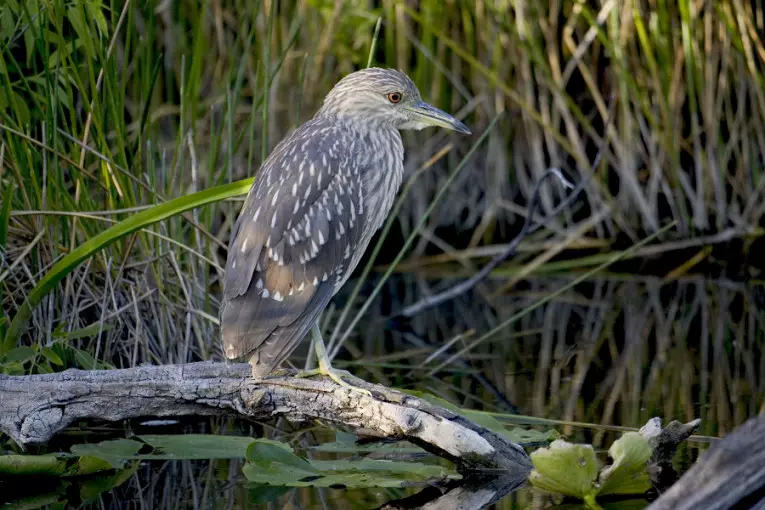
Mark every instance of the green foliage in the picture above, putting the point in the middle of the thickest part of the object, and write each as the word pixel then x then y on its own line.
pixel 627 474
pixel 574 470
pixel 274 463
pixel 143 219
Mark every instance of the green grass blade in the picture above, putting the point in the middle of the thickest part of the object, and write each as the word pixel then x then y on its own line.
pixel 5 218
pixel 105 238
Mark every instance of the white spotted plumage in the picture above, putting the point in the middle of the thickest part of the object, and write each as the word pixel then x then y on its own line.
pixel 339 173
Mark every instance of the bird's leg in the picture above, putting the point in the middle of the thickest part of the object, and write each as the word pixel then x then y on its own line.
pixel 325 367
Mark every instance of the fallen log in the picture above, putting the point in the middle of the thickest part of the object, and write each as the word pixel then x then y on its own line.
pixel 34 408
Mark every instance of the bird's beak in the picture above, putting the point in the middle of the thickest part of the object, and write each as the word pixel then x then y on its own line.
pixel 432 116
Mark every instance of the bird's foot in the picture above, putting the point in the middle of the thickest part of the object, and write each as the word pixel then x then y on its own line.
pixel 336 375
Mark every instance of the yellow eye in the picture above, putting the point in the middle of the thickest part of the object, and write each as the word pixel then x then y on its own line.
pixel 394 97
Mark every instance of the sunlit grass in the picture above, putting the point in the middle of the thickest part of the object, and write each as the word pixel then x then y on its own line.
pixel 110 108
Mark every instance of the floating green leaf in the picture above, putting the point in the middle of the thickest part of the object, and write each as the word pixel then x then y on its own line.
pixel 115 452
pixel 566 468
pixel 265 493
pixel 275 464
pixel 52 464
pixel 274 459
pixel 196 446
pixel 627 474
pixel 32 465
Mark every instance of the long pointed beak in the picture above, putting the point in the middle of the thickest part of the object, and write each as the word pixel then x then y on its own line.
pixel 433 116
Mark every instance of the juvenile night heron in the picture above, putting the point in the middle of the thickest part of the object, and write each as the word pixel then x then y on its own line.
pixel 315 204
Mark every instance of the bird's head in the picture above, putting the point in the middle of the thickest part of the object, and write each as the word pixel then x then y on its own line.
pixel 385 96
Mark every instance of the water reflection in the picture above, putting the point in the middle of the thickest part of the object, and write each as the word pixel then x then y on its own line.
pixel 612 351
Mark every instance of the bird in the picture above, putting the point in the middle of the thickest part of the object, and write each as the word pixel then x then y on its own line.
pixel 314 205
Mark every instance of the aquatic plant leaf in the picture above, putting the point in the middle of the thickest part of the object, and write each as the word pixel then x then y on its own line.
pixel 32 465
pixel 260 494
pixel 565 468
pixel 275 464
pixel 93 486
pixel 628 473
pixel 195 446
pixel 51 464
pixel 114 452
pixel 278 460
pixel 351 474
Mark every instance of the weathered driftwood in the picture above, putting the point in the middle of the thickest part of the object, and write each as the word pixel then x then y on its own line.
pixel 730 474
pixel 664 442
pixel 34 408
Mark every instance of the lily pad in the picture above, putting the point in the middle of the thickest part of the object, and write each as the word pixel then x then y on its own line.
pixel 627 474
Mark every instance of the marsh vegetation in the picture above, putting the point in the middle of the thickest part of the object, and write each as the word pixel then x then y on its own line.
pixel 109 109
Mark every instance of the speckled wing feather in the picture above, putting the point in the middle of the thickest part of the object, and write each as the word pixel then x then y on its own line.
pixel 291 244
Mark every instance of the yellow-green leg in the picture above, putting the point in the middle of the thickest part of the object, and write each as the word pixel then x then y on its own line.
pixel 325 367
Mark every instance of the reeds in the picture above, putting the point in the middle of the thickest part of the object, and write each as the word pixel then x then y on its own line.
pixel 109 108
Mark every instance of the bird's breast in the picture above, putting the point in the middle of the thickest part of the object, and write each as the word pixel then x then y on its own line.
pixel 383 174
pixel 380 178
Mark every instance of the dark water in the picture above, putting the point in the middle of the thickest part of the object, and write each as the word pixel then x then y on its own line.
pixel 612 351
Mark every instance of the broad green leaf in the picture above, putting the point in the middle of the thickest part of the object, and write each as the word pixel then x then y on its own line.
pixel 117 231
pixel 52 464
pixel 277 459
pixel 352 474
pixel 114 452
pixel 627 474
pixel 93 486
pixel 566 468
pixel 196 446
pixel 260 494
pixel 32 465
pixel 21 354
pixel 51 356
pixel 273 463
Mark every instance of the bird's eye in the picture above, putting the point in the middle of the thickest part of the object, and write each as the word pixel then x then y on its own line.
pixel 394 97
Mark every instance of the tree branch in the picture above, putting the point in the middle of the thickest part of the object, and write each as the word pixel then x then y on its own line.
pixel 36 407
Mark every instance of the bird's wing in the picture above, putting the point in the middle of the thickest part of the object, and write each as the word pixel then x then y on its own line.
pixel 290 246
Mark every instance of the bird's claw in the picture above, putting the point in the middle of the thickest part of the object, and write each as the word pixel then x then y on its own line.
pixel 336 375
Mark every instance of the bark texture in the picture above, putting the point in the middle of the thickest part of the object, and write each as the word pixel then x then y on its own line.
pixel 34 408
pixel 731 474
